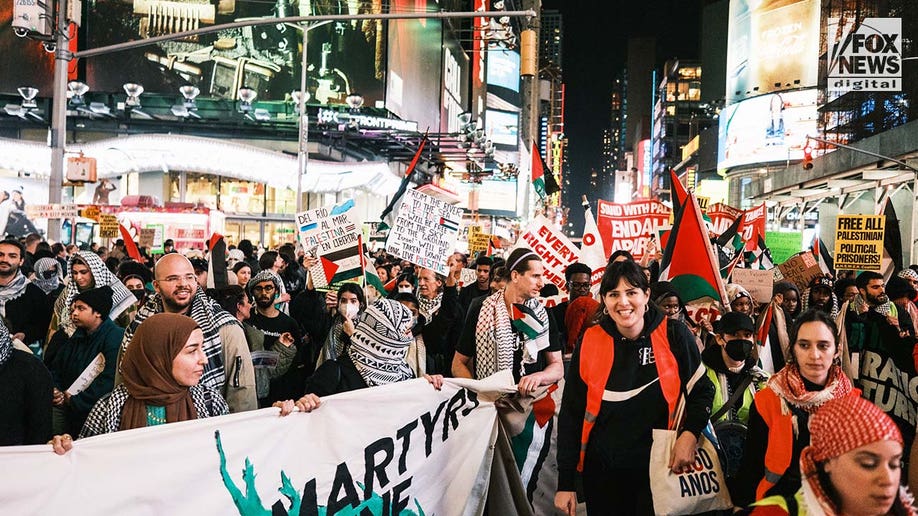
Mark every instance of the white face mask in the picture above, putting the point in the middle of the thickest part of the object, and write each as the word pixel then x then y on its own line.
pixel 405 290
pixel 348 310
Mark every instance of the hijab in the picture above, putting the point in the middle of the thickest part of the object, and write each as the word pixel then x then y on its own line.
pixel 147 370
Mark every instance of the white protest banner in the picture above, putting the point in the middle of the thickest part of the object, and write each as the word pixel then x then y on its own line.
pixel 333 234
pixel 89 374
pixel 425 231
pixel 555 249
pixel 403 449
pixel 629 226
pixel 760 284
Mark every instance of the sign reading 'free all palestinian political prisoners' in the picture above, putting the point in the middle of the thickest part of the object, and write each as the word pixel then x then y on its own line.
pixel 859 242
pixel 425 231
pixel 426 452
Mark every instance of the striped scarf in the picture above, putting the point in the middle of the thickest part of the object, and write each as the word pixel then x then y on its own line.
pixel 495 340
pixel 122 298
pixel 6 344
pixel 379 346
pixel 210 318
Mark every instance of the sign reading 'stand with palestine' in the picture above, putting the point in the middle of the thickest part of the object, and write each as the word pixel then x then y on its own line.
pixel 859 242
pixel 631 227
pixel 425 231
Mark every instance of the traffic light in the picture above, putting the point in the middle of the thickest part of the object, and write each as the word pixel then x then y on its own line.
pixel 807 157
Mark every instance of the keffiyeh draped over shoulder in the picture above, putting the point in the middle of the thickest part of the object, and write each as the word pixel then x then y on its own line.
pixel 379 346
pixel 6 344
pixel 122 299
pixel 496 341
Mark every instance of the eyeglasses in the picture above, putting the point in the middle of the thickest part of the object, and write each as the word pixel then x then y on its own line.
pixel 188 278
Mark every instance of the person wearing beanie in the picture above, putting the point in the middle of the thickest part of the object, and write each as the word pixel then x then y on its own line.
pixel 780 412
pixel 95 334
pixel 730 364
pixel 852 465
pixel 820 294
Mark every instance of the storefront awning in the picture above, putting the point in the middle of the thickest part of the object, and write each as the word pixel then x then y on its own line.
pixel 162 153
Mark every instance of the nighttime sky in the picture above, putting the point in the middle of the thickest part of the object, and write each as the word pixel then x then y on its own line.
pixel 595 36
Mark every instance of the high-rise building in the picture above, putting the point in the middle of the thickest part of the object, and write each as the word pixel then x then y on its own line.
pixel 552 37
pixel 552 140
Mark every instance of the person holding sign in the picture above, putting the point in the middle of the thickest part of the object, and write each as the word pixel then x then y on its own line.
pixel 779 414
pixel 624 380
pixel 94 343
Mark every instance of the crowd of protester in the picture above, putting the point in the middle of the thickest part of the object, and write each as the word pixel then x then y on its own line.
pixel 778 381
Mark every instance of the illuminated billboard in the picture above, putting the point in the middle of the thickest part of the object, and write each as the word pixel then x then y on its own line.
pixel 343 57
pixel 498 198
pixel 502 127
pixel 415 54
pixel 766 128
pixel 773 45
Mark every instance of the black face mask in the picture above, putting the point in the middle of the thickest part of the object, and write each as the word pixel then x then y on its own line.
pixel 739 349
pixel 139 293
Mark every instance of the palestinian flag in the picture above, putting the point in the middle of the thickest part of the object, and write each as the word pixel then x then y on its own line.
pixel 451 225
pixel 823 258
pixel 216 264
pixel 388 215
pixel 760 256
pixel 371 278
pixel 688 261
pixel 525 320
pixel 543 180
pixel 679 193
pixel 493 243
pixel 341 265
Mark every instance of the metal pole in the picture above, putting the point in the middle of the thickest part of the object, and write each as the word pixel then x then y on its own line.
pixel 62 57
pixel 303 156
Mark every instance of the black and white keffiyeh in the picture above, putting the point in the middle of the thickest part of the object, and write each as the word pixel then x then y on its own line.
pixel 495 340
pixel 379 346
pixel 210 318
pixel 12 290
pixel 122 298
pixel 6 344
pixel 428 307
pixel 47 274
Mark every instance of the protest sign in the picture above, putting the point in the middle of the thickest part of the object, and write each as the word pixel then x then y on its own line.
pixel 799 269
pixel 890 386
pixel 555 249
pixel 754 227
pixel 426 452
pixel 478 240
pixel 93 370
pixel 108 226
pixel 333 235
pixel 758 283
pixel 859 242
pixel 467 277
pixel 722 217
pixel 630 226
pixel 147 236
pixel 783 244
pixel 425 231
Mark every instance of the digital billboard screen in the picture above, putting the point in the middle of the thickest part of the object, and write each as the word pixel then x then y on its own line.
pixel 343 57
pixel 766 128
pixel 502 127
pixel 773 45
pixel 415 53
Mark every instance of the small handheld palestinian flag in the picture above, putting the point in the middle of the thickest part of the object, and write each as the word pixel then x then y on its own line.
pixel 526 321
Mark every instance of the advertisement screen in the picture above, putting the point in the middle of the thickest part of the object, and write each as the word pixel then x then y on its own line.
pixel 766 128
pixel 343 57
pixel 504 69
pixel 494 197
pixel 502 127
pixel 455 94
pixel 773 45
pixel 415 53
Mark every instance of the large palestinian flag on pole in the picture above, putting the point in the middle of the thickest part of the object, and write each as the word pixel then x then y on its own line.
pixel 688 261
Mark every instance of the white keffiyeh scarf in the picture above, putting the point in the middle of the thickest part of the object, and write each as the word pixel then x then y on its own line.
pixel 122 298
pixel 12 290
pixel 495 340
pixel 429 307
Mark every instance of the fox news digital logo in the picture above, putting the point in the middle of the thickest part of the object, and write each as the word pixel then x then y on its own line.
pixel 865 57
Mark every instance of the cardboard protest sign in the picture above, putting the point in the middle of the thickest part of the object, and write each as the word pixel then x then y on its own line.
pixel 760 284
pixel 425 231
pixel 859 242
pixel 783 244
pixel 630 226
pixel 478 240
pixel 333 235
pixel 722 217
pixel 555 249
pixel 108 226
pixel 799 269
pixel 147 236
